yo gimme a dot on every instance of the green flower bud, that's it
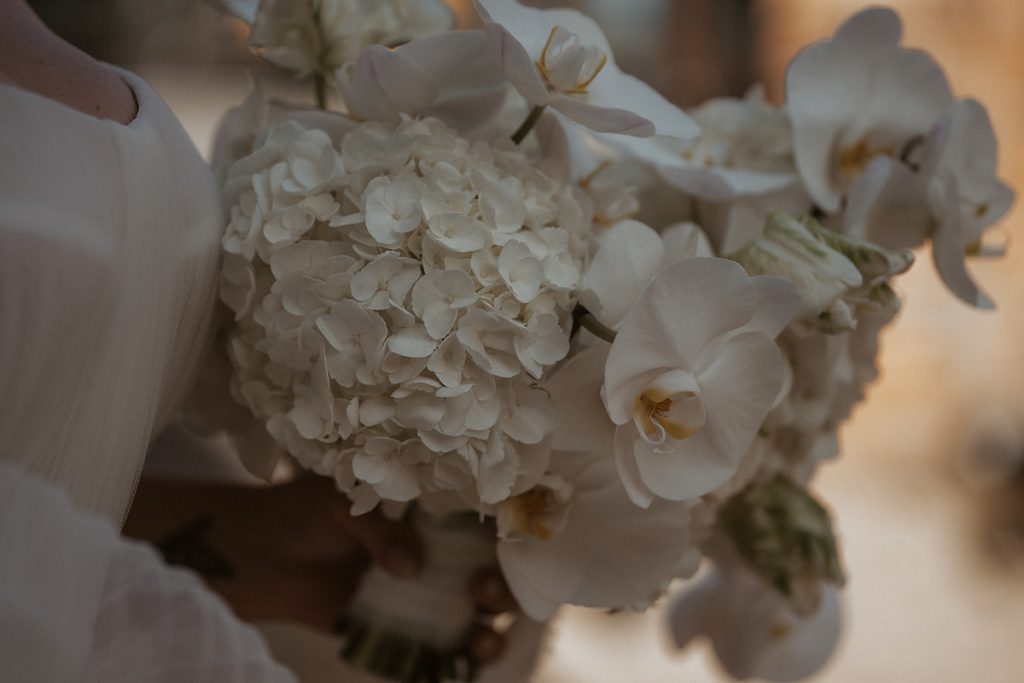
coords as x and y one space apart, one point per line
786 536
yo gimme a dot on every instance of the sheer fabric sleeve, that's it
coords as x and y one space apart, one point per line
80 603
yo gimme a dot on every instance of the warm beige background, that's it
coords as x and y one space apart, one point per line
930 598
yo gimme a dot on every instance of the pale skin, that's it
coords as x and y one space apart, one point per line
295 551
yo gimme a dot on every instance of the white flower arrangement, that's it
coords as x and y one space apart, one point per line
625 333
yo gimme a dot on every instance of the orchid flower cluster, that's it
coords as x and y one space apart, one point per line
503 276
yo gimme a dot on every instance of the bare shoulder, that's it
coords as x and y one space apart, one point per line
34 59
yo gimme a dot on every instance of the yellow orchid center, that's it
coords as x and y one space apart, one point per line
854 158
567 65
670 406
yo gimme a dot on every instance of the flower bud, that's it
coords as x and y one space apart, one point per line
789 249
786 536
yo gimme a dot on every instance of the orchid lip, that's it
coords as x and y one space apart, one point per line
669 409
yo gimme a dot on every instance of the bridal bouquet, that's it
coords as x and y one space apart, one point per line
505 287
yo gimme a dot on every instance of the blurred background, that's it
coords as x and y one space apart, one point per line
929 491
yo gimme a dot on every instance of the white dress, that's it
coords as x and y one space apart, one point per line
108 268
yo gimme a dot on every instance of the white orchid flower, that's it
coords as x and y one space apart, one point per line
967 151
630 256
754 631
967 197
576 538
858 96
692 374
560 58
949 195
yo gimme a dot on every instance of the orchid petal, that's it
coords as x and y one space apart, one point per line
777 302
688 304
889 206
610 553
613 86
694 611
626 465
949 249
381 83
628 259
754 632
861 82
576 390
518 66
875 27
600 118
683 241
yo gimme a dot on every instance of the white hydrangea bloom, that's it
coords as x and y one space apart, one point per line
398 297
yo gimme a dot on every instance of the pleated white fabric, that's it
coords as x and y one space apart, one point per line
108 267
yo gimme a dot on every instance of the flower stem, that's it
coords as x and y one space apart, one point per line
320 88
581 317
528 124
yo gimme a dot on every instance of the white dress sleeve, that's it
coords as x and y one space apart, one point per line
109 248
108 263
79 603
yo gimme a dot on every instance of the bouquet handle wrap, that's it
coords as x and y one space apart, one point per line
415 630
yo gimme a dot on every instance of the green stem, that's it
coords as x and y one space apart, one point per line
587 320
528 124
320 88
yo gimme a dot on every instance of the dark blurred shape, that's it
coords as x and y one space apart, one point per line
708 51
98 27
992 468
132 32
